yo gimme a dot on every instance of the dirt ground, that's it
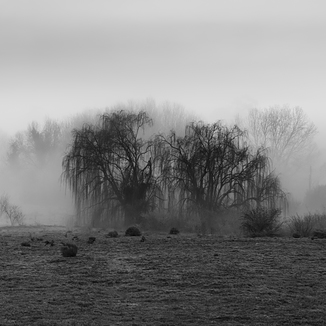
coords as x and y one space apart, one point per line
165 280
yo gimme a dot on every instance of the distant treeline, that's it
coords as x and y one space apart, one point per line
133 161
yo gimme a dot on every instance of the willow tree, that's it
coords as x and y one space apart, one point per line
109 167
212 169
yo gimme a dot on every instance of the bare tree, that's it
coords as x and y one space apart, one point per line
285 132
109 164
13 212
211 169
34 147
16 151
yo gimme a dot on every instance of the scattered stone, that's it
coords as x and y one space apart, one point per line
112 234
91 240
35 238
68 232
133 231
69 250
174 231
75 237
51 243
143 239
319 234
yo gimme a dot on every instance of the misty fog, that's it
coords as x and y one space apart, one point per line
34 182
31 161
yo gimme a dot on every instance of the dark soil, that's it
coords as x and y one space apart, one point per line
164 280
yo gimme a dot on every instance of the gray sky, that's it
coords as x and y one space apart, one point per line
213 57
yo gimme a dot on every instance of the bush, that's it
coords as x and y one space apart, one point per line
113 234
13 212
319 234
261 222
174 231
302 226
69 250
133 231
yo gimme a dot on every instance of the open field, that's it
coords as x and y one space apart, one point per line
165 280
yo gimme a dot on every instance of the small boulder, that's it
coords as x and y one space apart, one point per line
133 231
47 242
319 234
174 231
143 239
69 250
91 240
112 234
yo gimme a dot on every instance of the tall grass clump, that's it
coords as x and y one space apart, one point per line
302 225
261 222
305 225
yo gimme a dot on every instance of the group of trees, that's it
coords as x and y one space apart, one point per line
112 169
31 160
288 137
36 146
31 169
121 165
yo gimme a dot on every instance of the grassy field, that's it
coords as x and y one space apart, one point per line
165 280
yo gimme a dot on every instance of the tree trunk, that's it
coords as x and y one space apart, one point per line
132 216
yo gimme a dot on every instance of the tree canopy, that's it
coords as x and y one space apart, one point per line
285 132
110 167
212 169
110 163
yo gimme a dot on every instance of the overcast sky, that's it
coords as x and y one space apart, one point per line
213 57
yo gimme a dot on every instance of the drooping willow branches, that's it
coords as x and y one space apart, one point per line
109 166
110 163
215 169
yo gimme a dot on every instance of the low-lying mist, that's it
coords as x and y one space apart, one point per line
31 165
31 161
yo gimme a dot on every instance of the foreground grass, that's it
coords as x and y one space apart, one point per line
165 280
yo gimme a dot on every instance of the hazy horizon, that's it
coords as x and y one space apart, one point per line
215 58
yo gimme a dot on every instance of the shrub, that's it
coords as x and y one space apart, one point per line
13 212
302 226
113 234
69 250
174 231
261 221
133 231
320 220
319 234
